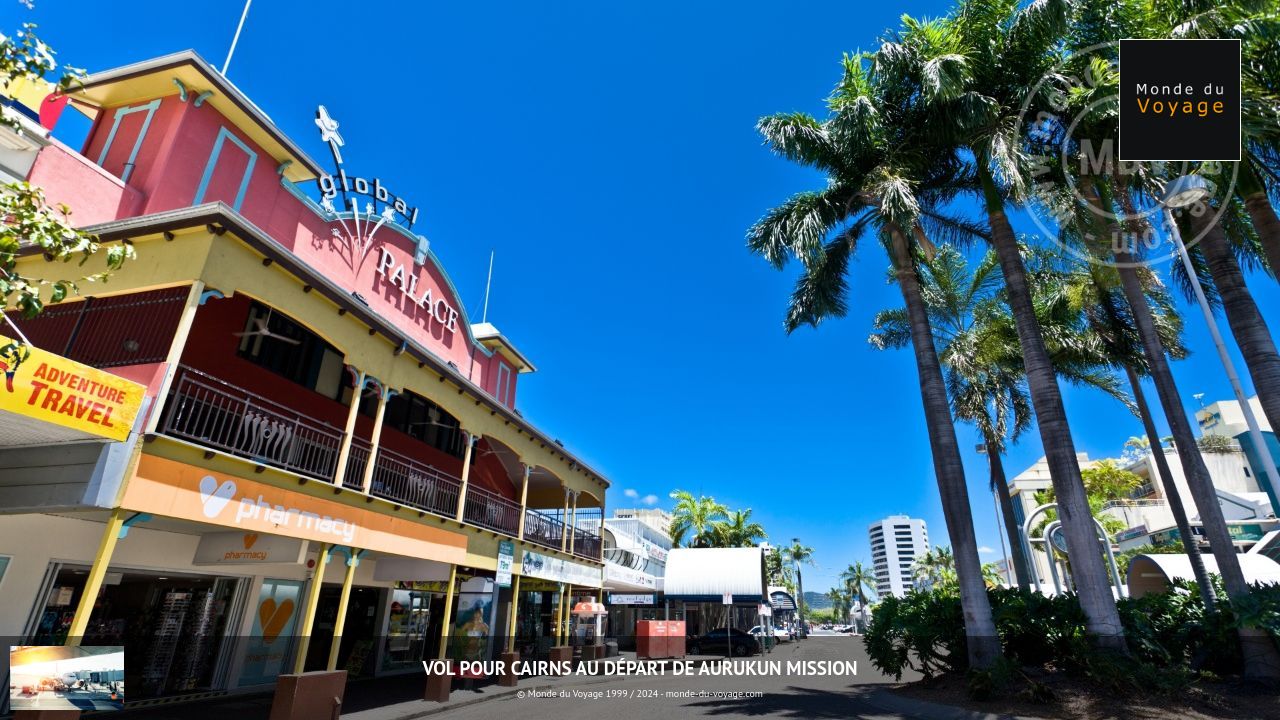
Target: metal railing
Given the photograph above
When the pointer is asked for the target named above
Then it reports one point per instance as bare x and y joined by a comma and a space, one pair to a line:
211, 412
403, 480
586, 544
543, 529
491, 511
1133, 503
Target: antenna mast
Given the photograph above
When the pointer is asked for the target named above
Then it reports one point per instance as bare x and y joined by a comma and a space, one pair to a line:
236, 38
484, 316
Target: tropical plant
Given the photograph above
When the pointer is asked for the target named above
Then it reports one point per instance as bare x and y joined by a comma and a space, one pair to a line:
1220, 444
935, 570
858, 581
27, 222
737, 530
881, 177
798, 554
972, 73
693, 519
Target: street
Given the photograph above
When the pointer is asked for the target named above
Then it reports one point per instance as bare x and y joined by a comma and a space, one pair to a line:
741, 696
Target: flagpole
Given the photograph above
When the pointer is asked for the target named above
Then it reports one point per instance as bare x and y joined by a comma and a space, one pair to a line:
236, 38
484, 316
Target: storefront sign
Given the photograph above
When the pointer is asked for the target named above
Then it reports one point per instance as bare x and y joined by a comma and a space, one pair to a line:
340, 182
727, 599
1131, 533
44, 386
272, 632
615, 599
614, 572
173, 489
557, 569
506, 559
405, 279
246, 548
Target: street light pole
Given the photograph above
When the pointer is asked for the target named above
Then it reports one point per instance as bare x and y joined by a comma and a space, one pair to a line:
1184, 191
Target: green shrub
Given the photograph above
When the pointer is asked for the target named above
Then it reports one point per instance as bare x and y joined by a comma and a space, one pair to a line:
1170, 636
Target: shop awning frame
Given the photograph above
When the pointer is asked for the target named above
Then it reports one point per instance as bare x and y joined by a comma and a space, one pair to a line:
707, 574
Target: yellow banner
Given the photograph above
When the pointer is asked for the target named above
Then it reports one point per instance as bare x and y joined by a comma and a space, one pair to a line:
48, 387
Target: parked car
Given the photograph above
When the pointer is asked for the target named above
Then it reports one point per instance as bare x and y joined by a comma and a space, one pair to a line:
779, 634
721, 639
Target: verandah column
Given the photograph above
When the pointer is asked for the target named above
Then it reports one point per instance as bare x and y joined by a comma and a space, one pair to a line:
384, 396
344, 450
448, 611
466, 473
524, 501
196, 297
564, 522
93, 583
512, 613
340, 623
309, 611
573, 522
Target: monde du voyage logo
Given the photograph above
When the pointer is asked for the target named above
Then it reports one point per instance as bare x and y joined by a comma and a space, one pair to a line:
216, 496
1180, 100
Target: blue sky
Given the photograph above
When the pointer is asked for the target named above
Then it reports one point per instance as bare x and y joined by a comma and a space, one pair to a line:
608, 155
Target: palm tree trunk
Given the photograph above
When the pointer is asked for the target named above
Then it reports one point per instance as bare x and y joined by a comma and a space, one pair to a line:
1000, 485
1247, 324
980, 630
1261, 659
1091, 579
1171, 494
1265, 222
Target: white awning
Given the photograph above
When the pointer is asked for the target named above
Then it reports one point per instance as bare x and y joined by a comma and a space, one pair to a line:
707, 574
1154, 573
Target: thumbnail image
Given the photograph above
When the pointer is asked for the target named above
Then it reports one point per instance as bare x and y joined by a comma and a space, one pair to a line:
57, 677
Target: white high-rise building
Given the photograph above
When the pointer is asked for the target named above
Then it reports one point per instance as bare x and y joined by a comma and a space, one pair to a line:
896, 542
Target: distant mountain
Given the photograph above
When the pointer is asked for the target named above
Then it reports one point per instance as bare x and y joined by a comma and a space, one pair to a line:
817, 600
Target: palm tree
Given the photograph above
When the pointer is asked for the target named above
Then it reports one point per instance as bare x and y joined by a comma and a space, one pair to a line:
1102, 192
878, 178
980, 351
839, 602
973, 71
936, 569
737, 530
858, 581
695, 518
798, 554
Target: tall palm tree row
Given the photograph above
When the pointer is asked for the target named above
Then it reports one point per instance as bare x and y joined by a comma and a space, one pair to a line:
879, 181
858, 581
978, 346
972, 72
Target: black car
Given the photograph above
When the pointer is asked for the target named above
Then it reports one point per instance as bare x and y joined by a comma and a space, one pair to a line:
716, 642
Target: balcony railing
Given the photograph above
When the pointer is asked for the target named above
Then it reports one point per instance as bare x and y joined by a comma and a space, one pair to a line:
217, 414
403, 480
543, 529
491, 511
586, 544
211, 412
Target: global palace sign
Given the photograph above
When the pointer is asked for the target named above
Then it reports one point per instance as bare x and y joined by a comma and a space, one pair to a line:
359, 225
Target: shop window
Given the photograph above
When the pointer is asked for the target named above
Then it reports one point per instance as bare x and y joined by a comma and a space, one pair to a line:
504, 384
4, 565
279, 344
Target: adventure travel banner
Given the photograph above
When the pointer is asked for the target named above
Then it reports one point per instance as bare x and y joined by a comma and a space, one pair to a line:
44, 386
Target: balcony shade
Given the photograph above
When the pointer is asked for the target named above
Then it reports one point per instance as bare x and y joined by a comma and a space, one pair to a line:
706, 574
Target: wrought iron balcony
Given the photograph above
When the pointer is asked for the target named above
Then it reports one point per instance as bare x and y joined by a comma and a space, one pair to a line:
403, 480
543, 529
491, 511
586, 544
220, 415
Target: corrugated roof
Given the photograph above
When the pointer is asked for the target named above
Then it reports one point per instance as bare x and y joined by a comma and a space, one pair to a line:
706, 574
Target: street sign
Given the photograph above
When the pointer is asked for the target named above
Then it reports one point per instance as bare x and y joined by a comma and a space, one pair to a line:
506, 559
727, 599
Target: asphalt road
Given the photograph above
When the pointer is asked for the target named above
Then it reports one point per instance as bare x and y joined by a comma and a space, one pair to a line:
737, 696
